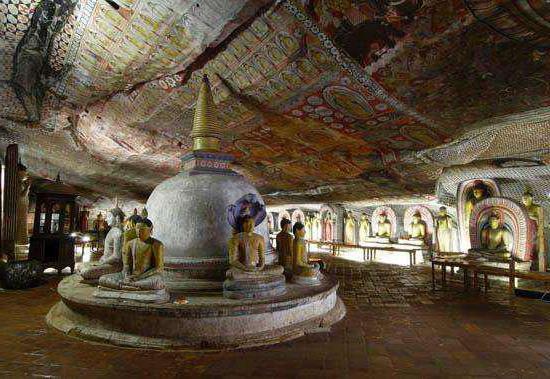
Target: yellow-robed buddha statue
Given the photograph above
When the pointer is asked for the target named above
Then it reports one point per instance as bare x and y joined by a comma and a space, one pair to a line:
536, 214
495, 238
384, 226
480, 192
143, 266
248, 276
418, 227
302, 271
444, 231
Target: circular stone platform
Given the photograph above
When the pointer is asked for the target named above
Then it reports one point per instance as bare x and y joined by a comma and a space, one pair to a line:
204, 323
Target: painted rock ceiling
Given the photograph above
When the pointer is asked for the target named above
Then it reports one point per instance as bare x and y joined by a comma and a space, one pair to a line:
320, 100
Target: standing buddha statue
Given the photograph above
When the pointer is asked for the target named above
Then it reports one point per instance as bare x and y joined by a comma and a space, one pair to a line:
479, 193
444, 231
21, 231
536, 215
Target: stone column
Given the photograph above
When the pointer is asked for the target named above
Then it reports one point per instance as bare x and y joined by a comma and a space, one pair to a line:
10, 201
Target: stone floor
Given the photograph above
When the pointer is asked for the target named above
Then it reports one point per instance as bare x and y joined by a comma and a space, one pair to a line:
395, 327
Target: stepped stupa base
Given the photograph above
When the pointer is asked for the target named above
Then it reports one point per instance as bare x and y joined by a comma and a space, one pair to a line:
204, 323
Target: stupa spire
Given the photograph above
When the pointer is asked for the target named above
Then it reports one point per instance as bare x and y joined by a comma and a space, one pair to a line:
206, 129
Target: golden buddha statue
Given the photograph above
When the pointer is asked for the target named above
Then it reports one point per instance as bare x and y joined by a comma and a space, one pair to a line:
301, 266
284, 245
248, 276
494, 237
479, 193
536, 214
444, 231
418, 227
384, 226
143, 265
130, 226
247, 254
111, 260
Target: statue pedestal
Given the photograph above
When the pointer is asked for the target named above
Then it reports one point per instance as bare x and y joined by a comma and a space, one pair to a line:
412, 242
205, 322
254, 288
307, 280
154, 296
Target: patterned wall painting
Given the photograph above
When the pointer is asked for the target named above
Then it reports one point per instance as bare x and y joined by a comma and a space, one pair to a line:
320, 100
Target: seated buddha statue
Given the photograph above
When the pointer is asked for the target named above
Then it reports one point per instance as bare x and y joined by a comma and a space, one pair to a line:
141, 278
111, 260
494, 238
284, 245
302, 271
384, 226
418, 227
248, 275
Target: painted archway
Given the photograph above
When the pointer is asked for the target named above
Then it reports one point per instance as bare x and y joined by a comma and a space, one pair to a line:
390, 214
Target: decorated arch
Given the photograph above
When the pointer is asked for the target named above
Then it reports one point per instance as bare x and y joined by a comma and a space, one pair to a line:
390, 214
298, 216
465, 193
513, 217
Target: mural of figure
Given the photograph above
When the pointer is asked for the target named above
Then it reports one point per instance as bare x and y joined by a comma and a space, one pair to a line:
536, 215
327, 228
444, 231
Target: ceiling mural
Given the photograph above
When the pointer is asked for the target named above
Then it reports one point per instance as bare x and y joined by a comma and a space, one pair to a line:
321, 100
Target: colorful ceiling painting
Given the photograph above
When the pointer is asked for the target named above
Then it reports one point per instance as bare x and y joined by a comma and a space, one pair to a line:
321, 100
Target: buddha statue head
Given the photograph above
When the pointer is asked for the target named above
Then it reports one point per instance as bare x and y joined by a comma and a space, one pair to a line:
527, 198
299, 230
479, 190
494, 221
383, 217
115, 216
143, 229
285, 225
442, 211
416, 218
247, 224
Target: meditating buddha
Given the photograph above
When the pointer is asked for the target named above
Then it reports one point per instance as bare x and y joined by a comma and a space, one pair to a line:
536, 214
418, 227
384, 226
302, 271
248, 276
111, 260
143, 266
444, 230
247, 254
494, 237
284, 245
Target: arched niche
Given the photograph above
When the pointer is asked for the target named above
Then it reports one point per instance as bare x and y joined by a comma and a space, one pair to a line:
465, 193
513, 217
390, 214
298, 216
427, 218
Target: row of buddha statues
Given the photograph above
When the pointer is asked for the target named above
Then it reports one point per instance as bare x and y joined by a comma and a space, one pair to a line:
249, 277
132, 263
131, 267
